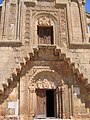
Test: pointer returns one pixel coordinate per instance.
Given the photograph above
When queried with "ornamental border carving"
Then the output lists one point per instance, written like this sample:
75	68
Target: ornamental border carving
51	83
44	21
27	23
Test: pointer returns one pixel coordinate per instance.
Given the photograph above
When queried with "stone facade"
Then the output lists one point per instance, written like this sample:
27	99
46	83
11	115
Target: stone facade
44	60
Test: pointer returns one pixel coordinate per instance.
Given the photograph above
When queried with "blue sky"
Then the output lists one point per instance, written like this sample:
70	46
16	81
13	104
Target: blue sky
87	5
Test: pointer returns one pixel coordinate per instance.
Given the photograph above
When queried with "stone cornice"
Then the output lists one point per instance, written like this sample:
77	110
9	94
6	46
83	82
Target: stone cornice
80	46
88	15
12	43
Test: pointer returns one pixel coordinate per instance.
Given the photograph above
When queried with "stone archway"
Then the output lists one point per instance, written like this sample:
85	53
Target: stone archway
43	81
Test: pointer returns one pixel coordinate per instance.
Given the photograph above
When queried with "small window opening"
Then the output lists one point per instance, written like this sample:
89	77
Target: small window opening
45	35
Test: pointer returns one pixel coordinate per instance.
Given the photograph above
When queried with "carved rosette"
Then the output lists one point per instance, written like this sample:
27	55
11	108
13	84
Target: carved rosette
63	26
12	22
27	24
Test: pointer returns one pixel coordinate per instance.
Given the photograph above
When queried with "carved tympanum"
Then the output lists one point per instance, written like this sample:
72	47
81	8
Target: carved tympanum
45	80
44	21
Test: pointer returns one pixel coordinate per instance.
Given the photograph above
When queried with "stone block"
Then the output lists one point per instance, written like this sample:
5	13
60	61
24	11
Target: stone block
31	2
58	2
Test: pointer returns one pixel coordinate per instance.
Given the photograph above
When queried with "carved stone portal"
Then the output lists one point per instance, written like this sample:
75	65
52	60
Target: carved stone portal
44	82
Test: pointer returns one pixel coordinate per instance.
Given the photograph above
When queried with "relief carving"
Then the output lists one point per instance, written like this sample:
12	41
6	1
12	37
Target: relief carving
44	79
12	22
27	25
63	27
44	21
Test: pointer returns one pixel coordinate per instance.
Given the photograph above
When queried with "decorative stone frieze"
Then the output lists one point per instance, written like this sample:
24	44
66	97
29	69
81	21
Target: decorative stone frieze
63	27
43	82
44	21
27	24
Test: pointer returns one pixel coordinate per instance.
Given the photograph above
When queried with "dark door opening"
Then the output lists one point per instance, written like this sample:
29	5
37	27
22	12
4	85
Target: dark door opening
45	35
50	103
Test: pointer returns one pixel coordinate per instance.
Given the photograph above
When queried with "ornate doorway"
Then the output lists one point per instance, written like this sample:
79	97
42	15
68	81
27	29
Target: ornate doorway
41	103
49	96
45	35
45	103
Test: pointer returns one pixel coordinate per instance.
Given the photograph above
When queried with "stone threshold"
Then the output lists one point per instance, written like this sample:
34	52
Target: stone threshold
51	119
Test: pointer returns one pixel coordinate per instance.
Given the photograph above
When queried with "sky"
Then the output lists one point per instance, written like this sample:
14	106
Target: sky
87	5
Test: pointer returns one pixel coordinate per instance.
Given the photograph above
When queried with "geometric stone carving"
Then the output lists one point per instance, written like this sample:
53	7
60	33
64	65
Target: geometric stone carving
44	21
27	24
44	79
63	27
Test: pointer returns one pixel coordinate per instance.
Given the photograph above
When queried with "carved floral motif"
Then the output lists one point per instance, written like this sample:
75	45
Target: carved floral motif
27	23
63	26
44	79
44	21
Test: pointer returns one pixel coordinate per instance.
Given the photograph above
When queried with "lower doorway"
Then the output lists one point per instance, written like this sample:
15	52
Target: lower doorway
46	103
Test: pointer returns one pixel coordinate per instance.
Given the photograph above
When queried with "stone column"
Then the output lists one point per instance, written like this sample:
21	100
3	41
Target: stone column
4	22
62	100
23	100
70	102
31	103
59	102
69	20
83	22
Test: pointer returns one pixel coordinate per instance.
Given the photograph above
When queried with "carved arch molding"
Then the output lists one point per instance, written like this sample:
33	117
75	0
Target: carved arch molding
45	79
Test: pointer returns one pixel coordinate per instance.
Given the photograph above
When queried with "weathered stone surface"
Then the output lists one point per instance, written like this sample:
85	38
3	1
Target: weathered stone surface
44	45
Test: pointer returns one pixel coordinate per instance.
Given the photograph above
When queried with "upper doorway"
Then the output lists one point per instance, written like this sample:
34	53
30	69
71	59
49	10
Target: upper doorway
45	35
46	103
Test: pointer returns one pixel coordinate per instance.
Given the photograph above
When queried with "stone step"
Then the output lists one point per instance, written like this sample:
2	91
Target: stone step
51	118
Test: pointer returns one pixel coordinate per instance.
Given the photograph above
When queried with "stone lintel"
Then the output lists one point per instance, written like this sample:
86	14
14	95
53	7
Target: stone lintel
60	2
80	46
47	46
31	2
10	43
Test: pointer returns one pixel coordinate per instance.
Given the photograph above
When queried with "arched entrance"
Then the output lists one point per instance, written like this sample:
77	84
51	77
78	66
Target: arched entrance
46	95
46	103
